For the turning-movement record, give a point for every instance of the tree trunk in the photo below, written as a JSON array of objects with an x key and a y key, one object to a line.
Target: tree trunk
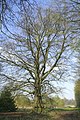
[{"x": 38, "y": 99}]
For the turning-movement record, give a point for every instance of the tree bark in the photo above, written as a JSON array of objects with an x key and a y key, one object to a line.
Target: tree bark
[{"x": 38, "y": 99}]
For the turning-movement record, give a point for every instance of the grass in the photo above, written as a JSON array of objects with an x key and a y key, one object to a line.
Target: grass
[
  {"x": 25, "y": 116},
  {"x": 49, "y": 114},
  {"x": 63, "y": 109}
]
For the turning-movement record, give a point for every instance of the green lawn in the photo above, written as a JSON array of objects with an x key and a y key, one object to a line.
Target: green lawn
[{"x": 63, "y": 109}]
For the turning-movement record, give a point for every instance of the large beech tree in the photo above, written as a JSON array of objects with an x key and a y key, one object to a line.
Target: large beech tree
[{"x": 35, "y": 44}]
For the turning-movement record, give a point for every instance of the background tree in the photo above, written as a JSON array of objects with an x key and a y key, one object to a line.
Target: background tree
[
  {"x": 35, "y": 51},
  {"x": 22, "y": 101},
  {"x": 69, "y": 102},
  {"x": 77, "y": 93},
  {"x": 48, "y": 101},
  {"x": 77, "y": 82},
  {"x": 7, "y": 103},
  {"x": 58, "y": 101}
]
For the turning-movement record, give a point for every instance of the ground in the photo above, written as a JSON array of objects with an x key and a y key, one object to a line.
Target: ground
[{"x": 52, "y": 115}]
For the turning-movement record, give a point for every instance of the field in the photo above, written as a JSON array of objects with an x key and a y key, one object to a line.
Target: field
[{"x": 56, "y": 114}]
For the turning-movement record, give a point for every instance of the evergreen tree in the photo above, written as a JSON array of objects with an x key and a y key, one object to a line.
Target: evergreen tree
[{"x": 7, "y": 103}]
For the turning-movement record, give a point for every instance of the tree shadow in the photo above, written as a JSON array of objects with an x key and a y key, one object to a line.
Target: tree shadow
[
  {"x": 74, "y": 115},
  {"x": 25, "y": 116},
  {"x": 37, "y": 116}
]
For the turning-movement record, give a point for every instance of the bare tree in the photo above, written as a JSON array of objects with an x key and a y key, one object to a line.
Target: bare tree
[{"x": 34, "y": 47}]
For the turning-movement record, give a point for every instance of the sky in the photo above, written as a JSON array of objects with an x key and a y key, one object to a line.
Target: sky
[
  {"x": 70, "y": 84},
  {"x": 68, "y": 92}
]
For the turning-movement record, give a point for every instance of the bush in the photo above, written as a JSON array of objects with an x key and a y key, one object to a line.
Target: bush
[{"x": 7, "y": 103}]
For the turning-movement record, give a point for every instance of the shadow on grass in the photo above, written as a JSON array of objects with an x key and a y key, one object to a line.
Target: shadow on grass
[
  {"x": 25, "y": 116},
  {"x": 74, "y": 115},
  {"x": 58, "y": 115}
]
